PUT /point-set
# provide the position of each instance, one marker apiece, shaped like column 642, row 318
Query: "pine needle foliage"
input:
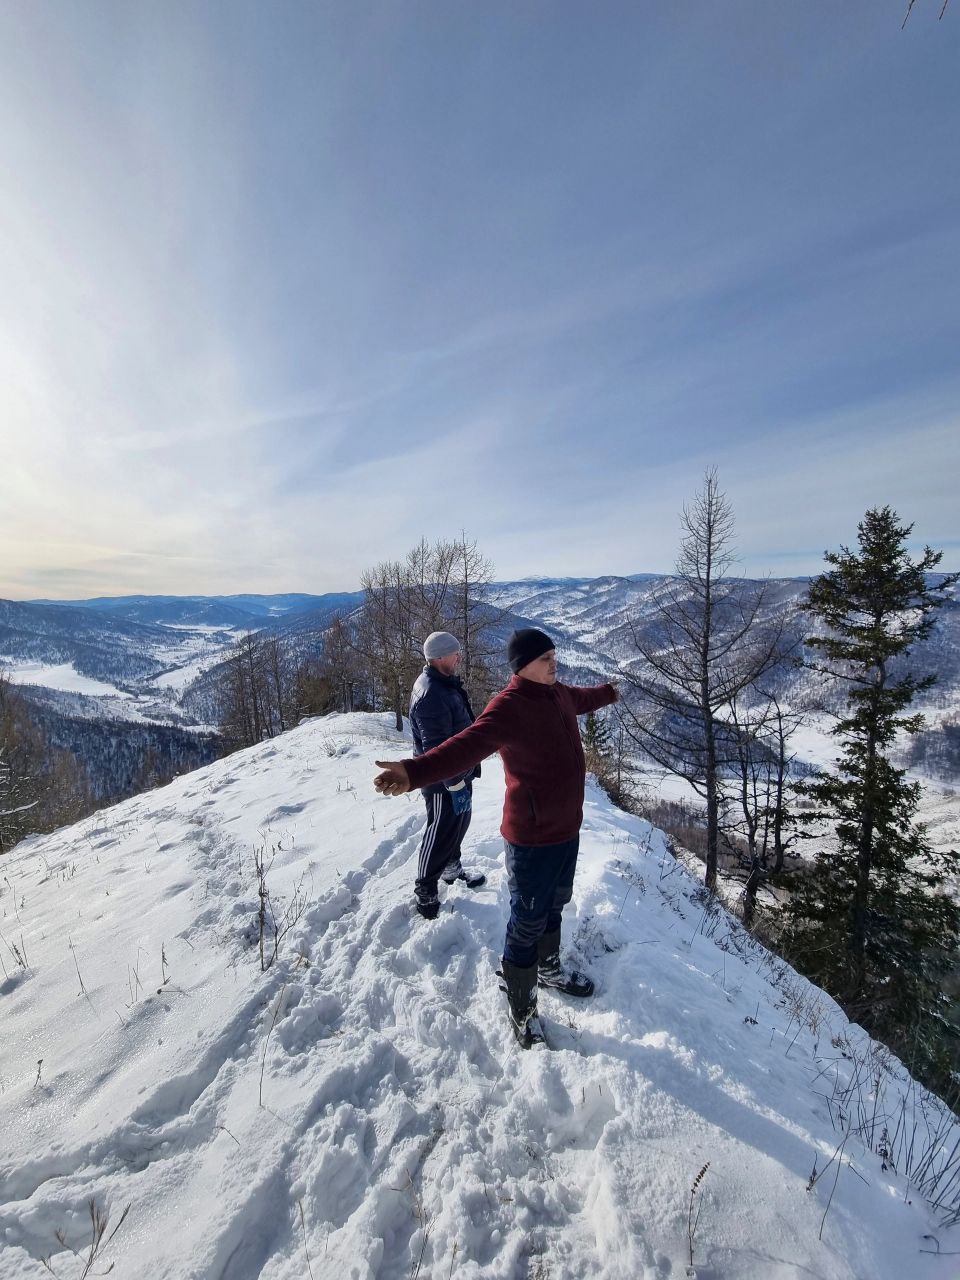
column 605, row 752
column 596, row 735
column 875, row 924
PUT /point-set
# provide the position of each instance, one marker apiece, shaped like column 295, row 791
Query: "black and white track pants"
column 440, row 846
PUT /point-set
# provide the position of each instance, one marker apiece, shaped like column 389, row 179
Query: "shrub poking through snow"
column 271, row 928
column 99, row 1221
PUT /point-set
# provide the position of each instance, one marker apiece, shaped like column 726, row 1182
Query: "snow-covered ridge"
column 360, row 1110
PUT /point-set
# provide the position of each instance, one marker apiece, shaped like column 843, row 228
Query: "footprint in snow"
column 284, row 811
column 308, row 1022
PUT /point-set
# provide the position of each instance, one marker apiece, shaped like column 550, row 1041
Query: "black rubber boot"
column 551, row 972
column 472, row 879
column 521, row 989
column 429, row 908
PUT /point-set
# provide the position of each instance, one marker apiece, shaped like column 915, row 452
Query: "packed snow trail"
column 360, row 1109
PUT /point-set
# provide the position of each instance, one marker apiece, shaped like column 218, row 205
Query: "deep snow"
column 360, row 1110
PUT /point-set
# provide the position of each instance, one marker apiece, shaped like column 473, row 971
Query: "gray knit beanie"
column 440, row 644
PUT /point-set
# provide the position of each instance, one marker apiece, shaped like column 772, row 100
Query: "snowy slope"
column 61, row 676
column 360, row 1110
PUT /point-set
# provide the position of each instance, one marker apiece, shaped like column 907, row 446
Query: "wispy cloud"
column 282, row 291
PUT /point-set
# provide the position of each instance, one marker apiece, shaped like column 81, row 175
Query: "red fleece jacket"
column 534, row 727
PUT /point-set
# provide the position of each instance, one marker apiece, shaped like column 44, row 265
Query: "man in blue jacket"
column 439, row 709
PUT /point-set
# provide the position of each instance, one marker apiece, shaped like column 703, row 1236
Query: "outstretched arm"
column 594, row 698
column 455, row 756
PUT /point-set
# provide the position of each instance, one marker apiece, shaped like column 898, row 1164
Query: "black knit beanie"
column 525, row 645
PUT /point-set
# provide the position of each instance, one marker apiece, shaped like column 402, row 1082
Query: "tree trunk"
column 750, row 892
column 861, row 897
column 713, row 817
column 398, row 706
column 713, row 824
column 778, row 850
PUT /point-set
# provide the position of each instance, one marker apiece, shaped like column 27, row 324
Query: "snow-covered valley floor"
column 360, row 1109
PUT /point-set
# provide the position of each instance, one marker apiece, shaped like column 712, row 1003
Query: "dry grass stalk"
column 692, row 1221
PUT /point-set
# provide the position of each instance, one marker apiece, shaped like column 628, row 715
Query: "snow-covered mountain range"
column 152, row 659
column 115, row 678
column 359, row 1109
column 147, row 652
column 136, row 657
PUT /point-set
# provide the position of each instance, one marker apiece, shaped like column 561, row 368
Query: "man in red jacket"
column 533, row 724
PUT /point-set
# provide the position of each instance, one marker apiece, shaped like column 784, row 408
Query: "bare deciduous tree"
column 258, row 690
column 387, row 632
column 759, row 765
column 911, row 3
column 473, row 616
column 703, row 647
column 340, row 663
column 438, row 587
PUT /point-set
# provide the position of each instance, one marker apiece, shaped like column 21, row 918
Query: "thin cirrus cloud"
column 282, row 290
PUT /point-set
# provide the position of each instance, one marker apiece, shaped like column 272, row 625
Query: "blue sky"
column 284, row 287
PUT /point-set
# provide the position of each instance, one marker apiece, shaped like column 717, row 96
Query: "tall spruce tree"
column 596, row 736
column 873, row 923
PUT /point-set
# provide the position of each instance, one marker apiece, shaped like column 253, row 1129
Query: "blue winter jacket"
column 439, row 708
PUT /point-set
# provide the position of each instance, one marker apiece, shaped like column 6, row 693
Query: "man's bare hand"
column 394, row 780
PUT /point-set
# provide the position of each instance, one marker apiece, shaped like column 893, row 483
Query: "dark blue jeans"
column 540, row 877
